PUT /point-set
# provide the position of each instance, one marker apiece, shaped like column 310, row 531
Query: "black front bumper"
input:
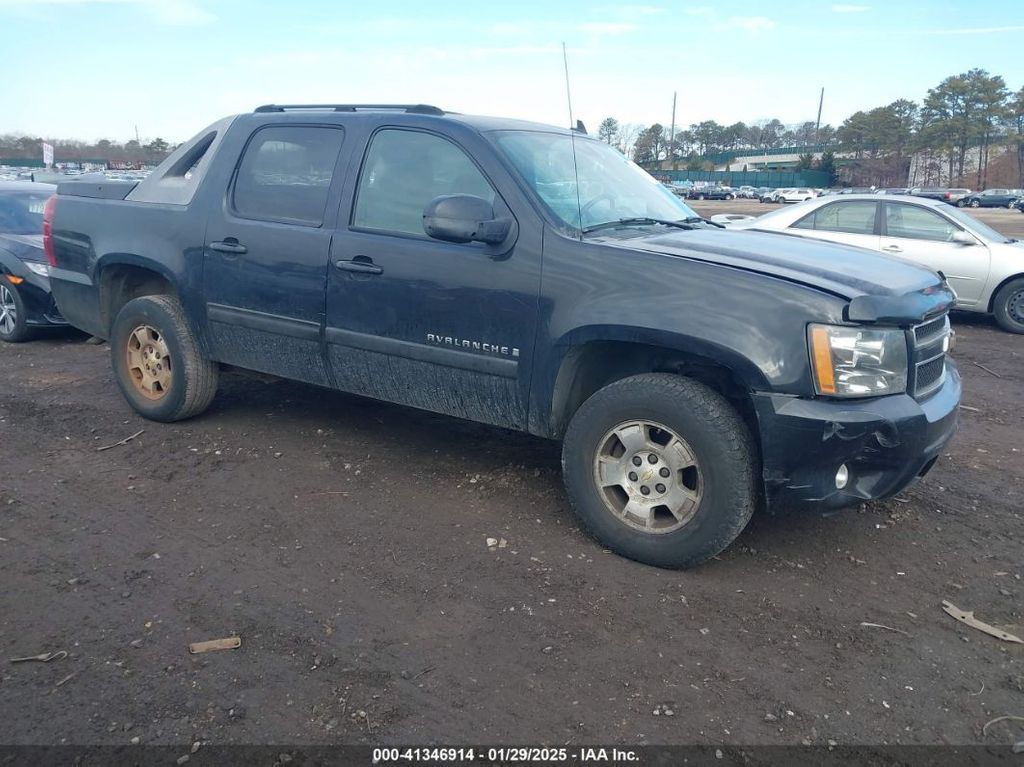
column 886, row 443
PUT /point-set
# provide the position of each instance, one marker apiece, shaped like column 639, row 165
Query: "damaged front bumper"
column 886, row 443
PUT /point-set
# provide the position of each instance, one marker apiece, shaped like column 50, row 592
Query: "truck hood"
column 27, row 247
column 878, row 288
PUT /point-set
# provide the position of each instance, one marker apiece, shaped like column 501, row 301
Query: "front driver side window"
column 856, row 217
column 403, row 171
column 917, row 223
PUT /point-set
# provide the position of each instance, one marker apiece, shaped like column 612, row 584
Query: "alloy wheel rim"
column 149, row 362
column 648, row 477
column 8, row 311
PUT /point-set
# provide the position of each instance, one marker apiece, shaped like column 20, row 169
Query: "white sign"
column 47, row 154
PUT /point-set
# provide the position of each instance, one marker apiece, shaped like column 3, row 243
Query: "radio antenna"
column 572, row 138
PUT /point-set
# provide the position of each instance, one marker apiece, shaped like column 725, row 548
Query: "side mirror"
column 962, row 237
column 464, row 218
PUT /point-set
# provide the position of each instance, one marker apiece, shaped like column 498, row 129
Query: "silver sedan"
column 985, row 268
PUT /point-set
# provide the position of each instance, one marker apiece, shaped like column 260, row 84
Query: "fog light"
column 842, row 477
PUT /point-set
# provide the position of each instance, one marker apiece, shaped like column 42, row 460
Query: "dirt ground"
column 345, row 542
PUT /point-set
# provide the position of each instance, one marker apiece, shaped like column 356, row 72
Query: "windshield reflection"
column 610, row 186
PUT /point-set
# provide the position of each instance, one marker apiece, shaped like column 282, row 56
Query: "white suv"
column 795, row 195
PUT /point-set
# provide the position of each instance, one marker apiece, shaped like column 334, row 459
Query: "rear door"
column 851, row 222
column 266, row 254
column 920, row 234
column 436, row 325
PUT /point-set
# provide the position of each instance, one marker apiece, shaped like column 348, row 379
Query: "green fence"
column 773, row 178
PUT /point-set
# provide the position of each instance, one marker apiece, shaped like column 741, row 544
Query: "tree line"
column 17, row 147
column 950, row 137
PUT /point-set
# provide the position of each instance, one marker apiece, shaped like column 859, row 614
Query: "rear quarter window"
column 285, row 174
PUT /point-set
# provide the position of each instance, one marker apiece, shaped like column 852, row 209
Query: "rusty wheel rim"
column 149, row 362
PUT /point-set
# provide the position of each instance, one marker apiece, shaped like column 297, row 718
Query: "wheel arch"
column 591, row 360
column 122, row 277
column 1000, row 286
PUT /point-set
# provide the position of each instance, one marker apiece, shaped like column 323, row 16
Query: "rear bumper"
column 886, row 444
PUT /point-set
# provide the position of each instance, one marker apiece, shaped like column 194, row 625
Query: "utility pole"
column 817, row 125
column 137, row 135
column 672, row 133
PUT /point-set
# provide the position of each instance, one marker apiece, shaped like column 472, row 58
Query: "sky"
column 92, row 69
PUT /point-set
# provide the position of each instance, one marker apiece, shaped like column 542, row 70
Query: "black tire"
column 14, row 330
column 719, row 440
column 961, row 204
column 1008, row 306
column 700, row 197
column 193, row 381
column 975, row 204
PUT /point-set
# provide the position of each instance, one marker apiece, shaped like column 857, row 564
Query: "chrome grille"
column 930, row 342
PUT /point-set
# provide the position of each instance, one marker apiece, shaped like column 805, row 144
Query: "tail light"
column 48, row 210
column 949, row 195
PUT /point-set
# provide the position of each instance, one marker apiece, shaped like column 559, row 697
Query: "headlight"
column 858, row 362
column 43, row 270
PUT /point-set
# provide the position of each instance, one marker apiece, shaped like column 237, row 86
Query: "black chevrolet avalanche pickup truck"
column 527, row 277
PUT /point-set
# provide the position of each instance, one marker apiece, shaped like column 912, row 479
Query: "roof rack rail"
column 421, row 109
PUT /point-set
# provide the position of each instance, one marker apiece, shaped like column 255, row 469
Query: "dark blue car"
column 25, row 300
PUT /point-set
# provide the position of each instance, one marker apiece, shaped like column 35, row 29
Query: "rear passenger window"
column 285, row 174
column 404, row 170
column 856, row 217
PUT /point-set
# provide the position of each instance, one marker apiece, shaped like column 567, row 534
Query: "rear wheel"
column 961, row 204
column 157, row 362
column 1008, row 306
column 13, row 318
column 660, row 469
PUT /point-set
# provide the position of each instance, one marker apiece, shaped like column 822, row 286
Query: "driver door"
column 435, row 325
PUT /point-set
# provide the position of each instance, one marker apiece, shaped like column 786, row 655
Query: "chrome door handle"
column 893, row 249
column 230, row 245
column 361, row 265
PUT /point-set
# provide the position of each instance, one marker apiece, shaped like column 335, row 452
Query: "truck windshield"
column 611, row 188
column 22, row 212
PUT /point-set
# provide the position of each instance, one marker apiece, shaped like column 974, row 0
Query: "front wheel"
column 975, row 204
column 157, row 362
column 660, row 469
column 13, row 318
column 1008, row 306
column 961, row 204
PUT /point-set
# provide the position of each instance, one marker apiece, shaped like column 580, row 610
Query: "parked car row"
column 991, row 198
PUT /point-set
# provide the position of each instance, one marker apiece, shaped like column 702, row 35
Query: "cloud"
column 844, row 8
column 754, row 25
column 170, row 12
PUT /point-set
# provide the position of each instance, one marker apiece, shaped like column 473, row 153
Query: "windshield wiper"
column 699, row 220
column 639, row 220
